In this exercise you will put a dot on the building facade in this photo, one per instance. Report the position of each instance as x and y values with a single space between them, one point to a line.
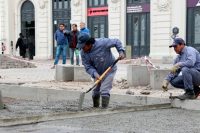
144 26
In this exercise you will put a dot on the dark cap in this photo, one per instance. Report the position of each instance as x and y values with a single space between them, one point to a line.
82 39
177 41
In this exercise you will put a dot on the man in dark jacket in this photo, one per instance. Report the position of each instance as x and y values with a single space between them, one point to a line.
21 45
73 43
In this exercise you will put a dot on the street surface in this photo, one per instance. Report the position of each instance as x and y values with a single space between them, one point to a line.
155 121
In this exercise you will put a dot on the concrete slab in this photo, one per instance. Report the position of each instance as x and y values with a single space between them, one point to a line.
71 73
156 78
138 75
187 104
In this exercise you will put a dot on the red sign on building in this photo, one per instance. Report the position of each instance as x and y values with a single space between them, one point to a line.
99 11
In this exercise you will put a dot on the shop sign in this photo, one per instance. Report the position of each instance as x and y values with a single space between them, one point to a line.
193 3
99 11
138 8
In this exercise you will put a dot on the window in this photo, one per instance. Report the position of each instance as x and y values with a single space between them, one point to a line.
197 28
193 27
97 3
66 4
60 4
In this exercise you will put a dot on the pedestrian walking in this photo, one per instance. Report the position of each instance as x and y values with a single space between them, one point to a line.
62 42
31 47
22 46
97 57
73 44
3 48
185 73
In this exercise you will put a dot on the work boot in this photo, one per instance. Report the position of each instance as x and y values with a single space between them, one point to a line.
96 101
196 91
189 94
105 101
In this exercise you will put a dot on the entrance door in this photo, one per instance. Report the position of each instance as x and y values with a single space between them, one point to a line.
138 35
61 14
28 26
98 26
193 27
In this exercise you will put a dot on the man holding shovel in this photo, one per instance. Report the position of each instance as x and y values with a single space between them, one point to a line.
185 73
97 57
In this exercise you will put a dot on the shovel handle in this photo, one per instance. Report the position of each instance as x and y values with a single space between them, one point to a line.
107 70
103 75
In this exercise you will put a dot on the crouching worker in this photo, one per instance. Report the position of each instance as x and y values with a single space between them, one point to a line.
97 57
185 73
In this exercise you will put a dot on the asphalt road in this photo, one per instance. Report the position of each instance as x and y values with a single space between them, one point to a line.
155 121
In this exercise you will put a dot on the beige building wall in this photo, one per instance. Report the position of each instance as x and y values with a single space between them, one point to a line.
164 16
11 26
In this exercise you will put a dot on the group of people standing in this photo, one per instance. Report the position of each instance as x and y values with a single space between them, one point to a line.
64 38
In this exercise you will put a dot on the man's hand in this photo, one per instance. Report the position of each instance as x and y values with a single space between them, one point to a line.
121 55
174 68
165 85
96 76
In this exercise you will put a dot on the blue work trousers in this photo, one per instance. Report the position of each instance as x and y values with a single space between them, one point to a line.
189 79
105 86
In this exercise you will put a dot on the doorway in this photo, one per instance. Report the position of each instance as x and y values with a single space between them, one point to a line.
98 26
28 26
138 34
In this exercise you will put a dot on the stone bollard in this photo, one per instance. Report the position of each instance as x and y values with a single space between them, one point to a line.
71 73
138 75
156 78
2 106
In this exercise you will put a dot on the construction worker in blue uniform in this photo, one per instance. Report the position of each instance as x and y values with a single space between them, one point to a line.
97 57
185 73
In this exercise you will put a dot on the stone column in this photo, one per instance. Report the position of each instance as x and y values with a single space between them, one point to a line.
78 11
116 17
42 29
3 24
179 17
161 16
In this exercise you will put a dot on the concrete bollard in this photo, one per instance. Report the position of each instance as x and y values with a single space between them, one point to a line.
80 74
71 73
1 102
156 78
64 73
138 75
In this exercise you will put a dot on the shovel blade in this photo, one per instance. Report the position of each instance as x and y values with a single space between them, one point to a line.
81 100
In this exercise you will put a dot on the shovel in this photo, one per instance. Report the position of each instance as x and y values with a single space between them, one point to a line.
82 95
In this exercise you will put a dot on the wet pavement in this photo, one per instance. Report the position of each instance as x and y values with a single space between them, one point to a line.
27 108
155 121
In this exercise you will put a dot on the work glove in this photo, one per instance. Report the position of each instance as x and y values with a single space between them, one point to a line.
165 85
174 69
121 55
